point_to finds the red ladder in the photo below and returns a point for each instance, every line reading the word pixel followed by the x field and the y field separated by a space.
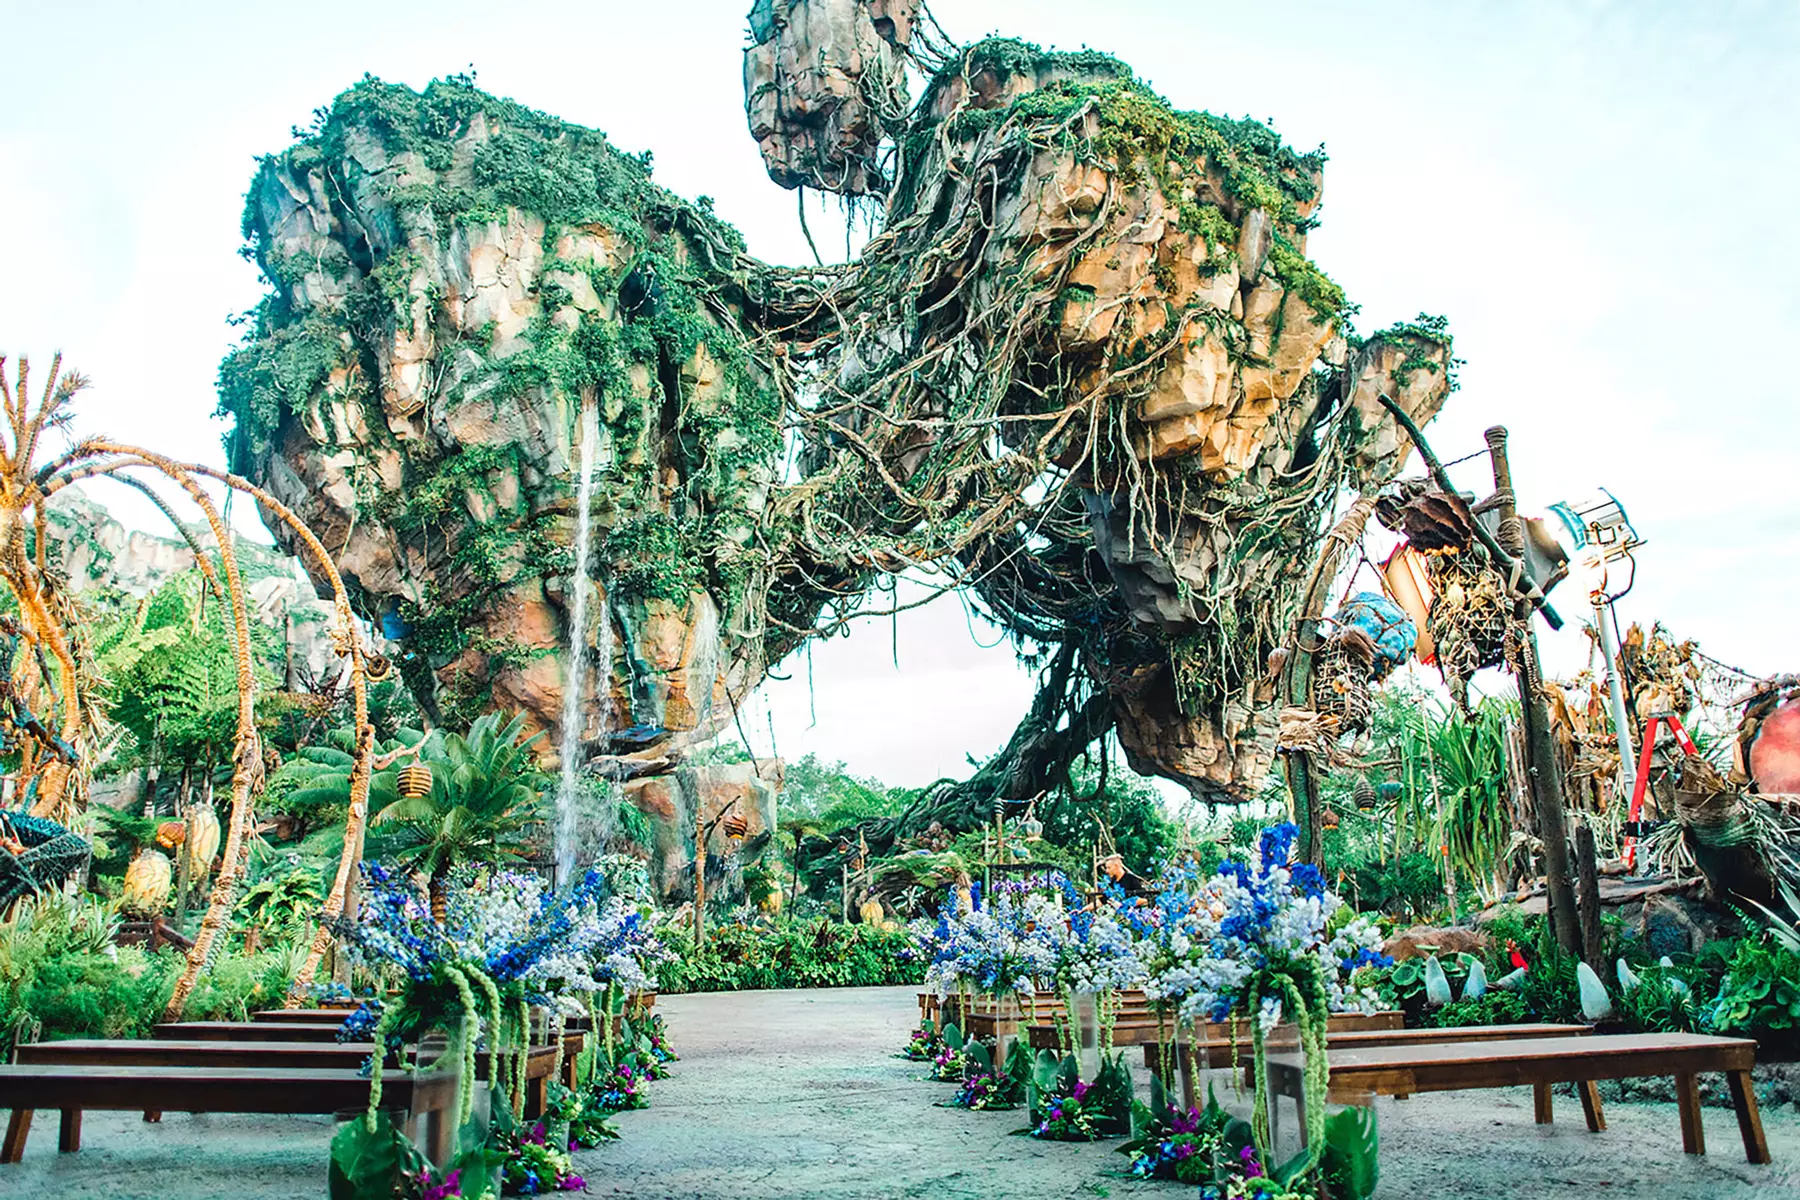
pixel 1633 817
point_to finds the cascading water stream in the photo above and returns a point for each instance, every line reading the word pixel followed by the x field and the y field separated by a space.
pixel 568 798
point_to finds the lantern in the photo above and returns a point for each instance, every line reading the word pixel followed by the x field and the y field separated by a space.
pixel 202 841
pixel 170 834
pixel 148 881
pixel 1364 794
pixel 736 827
pixel 1030 828
pixel 415 781
pixel 1329 819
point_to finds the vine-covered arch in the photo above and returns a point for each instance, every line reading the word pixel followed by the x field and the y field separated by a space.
pixel 1083 369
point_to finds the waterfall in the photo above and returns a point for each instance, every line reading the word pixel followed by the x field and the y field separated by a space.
pixel 568 790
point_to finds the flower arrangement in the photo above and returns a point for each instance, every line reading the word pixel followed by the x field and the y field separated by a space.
pixel 620 1089
pixel 1065 1116
pixel 655 1032
pixel 988 1085
pixel 1266 941
pixel 579 1123
pixel 1003 944
pixel 949 1064
pixel 1204 940
pixel 533 1166
pixel 989 1090
pixel 1066 1108
pixel 1210 1148
pixel 925 1044
pixel 506 942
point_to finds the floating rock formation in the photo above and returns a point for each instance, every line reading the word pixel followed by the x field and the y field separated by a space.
pixel 1085 369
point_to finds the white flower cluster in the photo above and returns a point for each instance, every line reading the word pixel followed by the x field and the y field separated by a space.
pixel 1097 955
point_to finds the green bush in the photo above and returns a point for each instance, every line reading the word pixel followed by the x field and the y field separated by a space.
pixel 1760 995
pixel 799 954
pixel 61 977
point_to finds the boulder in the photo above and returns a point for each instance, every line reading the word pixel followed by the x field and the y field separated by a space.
pixel 1420 940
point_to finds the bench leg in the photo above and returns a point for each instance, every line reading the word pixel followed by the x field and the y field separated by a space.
pixel 1743 1098
pixel 17 1130
pixel 68 1132
pixel 1687 1098
pixel 153 1116
pixel 1590 1106
pixel 440 1137
pixel 1540 1095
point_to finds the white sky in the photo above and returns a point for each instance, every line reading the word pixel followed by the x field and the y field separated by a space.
pixel 1594 193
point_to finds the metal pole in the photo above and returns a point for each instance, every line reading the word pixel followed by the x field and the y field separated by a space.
pixel 1615 694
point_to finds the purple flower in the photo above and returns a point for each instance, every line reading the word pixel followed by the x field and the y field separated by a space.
pixel 450 1188
pixel 573 1183
pixel 1252 1168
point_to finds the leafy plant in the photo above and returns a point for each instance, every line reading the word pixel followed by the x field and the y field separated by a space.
pixel 486 790
pixel 1351 1165
pixel 1760 996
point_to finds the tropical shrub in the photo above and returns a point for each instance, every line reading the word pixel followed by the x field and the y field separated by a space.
pixel 819 953
pixel 1760 995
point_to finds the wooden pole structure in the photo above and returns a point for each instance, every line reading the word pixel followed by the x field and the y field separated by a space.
pixel 1587 871
pixel 1303 773
pixel 1543 771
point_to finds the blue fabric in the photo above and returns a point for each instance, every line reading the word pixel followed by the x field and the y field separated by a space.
pixel 1385 622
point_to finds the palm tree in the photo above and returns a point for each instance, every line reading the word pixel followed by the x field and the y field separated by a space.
pixel 799 829
pixel 486 790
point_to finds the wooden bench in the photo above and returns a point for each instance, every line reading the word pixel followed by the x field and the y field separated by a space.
pixel 244 1031
pixel 75 1088
pixel 1362 1039
pixel 303 1016
pixel 1147 1031
pixel 1401 1070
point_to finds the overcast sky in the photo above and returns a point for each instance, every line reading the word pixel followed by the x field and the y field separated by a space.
pixel 1595 194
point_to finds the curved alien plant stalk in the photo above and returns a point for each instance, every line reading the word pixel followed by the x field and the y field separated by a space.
pixel 53 771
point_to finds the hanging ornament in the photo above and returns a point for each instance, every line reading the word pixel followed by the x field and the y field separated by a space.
pixel 414 781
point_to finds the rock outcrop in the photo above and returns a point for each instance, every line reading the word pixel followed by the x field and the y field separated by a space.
pixel 455 277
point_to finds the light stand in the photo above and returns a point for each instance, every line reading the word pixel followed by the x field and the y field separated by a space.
pixel 1603 534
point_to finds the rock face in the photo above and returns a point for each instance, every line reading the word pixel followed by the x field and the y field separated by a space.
pixel 824 82
pixel 100 557
pixel 676 802
pixel 1119 293
pixel 455 278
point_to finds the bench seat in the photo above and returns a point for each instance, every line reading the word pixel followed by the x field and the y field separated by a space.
pixel 1402 1070
pixel 75 1088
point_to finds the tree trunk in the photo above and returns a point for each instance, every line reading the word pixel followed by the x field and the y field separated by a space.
pixel 1587 896
pixel 440 902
